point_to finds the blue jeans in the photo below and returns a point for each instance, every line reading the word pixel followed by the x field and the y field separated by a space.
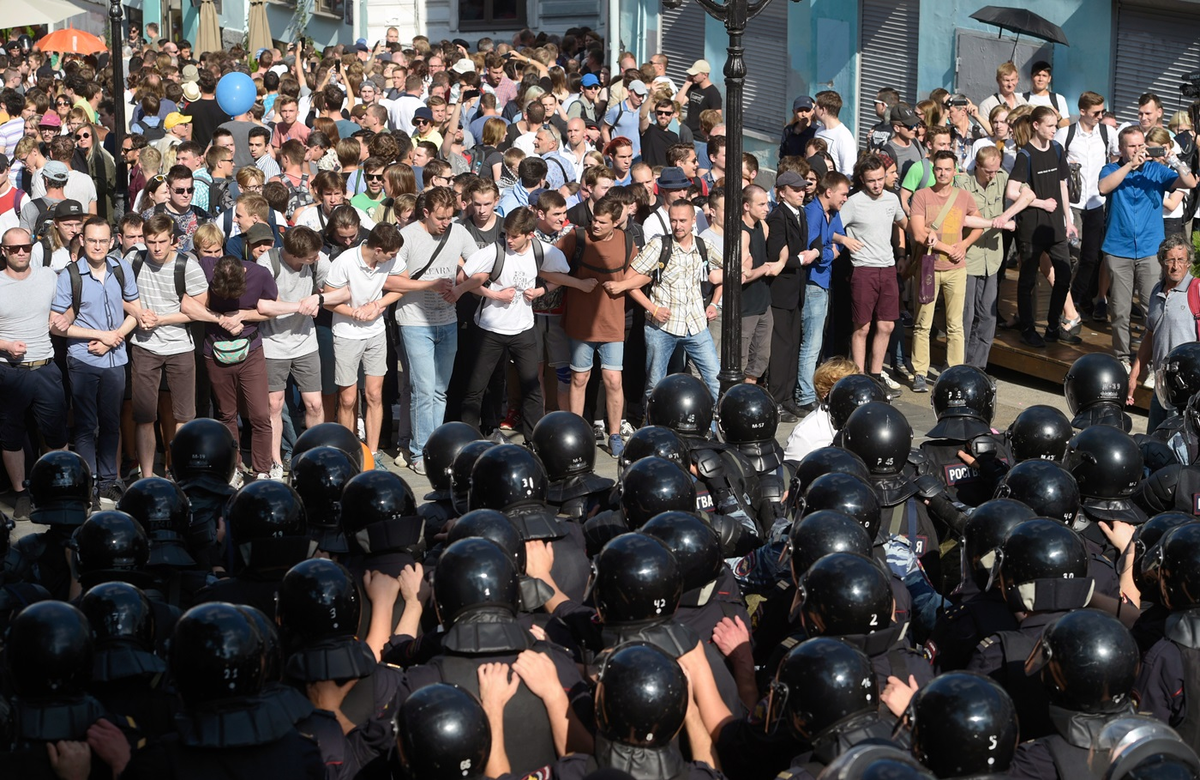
pixel 430 350
pixel 812 324
pixel 97 394
pixel 660 345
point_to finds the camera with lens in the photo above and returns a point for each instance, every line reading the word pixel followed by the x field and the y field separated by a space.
pixel 1191 86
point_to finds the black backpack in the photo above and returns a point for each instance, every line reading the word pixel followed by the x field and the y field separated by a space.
pixel 664 256
pixel 77 282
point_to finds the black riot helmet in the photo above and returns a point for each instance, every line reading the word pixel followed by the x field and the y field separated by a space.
pixel 119 613
pixel 441 448
pixel 1041 549
pixel 821 533
pixel 110 541
pixel 216 654
pixel 165 513
pixel 1045 487
pixel 265 509
pixel 1178 378
pixel 1145 541
pixel 654 485
pixel 330 434
pixel 747 414
pixel 268 632
pixel 828 460
pixel 460 471
pixel 506 476
pixel 641 696
pixel 682 403
pixel 873 760
pixel 566 445
pixel 1088 662
pixel 880 435
pixel 474 574
pixel 1105 461
pixel 203 450
pixel 984 534
pixel 1178 566
pixel 821 683
pixel 849 393
pixel 1141 747
pixel 964 391
pixel 443 734
pixel 963 724
pixel 373 498
pixel 49 652
pixel 1095 378
pixel 636 578
pixel 318 599
pixel 693 542
pixel 658 441
pixel 848 494
pixel 494 526
pixel 845 594
pixel 319 476
pixel 60 489
pixel 1040 433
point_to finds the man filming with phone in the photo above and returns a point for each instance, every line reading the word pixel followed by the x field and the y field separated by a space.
pixel 1135 186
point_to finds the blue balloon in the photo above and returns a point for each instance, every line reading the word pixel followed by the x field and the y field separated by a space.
pixel 236 93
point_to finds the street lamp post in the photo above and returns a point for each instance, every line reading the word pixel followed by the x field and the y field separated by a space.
pixel 116 59
pixel 733 14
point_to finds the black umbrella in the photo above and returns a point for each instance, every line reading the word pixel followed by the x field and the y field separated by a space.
pixel 1021 22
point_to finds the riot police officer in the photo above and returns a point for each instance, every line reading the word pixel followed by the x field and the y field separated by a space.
pixel 964 400
pixel 1043 574
pixel 319 476
pixel 1095 388
pixel 963 725
pixel 1141 747
pixel 1040 432
pixel 15 595
pixel 204 458
pixel 748 419
pixel 443 734
pixel 649 486
pixel 60 490
pixel 849 393
pixel 330 434
pixel 1087 662
pixel 1151 621
pixel 1107 466
pixel 460 473
pixel 441 448
pixel 876 760
pixel 566 445
pixel 269 534
pixel 1176 383
pixel 164 511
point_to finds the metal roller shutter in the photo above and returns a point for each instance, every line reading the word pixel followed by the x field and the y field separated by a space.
pixel 682 40
pixel 767 106
pixel 1154 49
pixel 888 58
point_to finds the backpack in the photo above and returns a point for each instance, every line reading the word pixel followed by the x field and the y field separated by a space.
pixel 1074 181
pixel 220 198
pixel 181 259
pixel 539 256
pixel 77 282
pixel 1075 178
pixel 298 195
pixel 664 257
pixel 273 256
pixel 43 218
pixel 479 153
pixel 581 244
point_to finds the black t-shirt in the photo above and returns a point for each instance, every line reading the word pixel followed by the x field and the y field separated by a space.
pixel 701 99
pixel 756 296
pixel 207 116
pixel 655 142
pixel 1042 171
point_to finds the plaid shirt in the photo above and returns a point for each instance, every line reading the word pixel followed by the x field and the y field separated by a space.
pixel 679 289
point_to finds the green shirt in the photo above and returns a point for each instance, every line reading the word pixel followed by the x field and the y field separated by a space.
pixel 985 255
pixel 364 202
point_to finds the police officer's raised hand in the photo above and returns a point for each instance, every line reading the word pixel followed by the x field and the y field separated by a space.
pixel 70 760
pixel 898 694
pixel 731 635
pixel 539 559
pixel 410 581
pixel 381 588
pixel 537 671
pixel 496 688
pixel 109 744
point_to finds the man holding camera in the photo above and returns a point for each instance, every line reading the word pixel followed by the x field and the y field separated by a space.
pixel 1135 185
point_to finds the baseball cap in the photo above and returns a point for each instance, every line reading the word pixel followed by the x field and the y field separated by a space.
pixel 638 88
pixel 791 179
pixel 259 233
pixel 818 165
pixel 424 112
pixel 190 73
pixel 902 114
pixel 589 80
pixel 361 42
pixel 804 102
pixel 68 209
pixel 361 45
pixel 699 66
pixel 463 66
pixel 50 119
pixel 673 178
pixel 56 171
pixel 175 118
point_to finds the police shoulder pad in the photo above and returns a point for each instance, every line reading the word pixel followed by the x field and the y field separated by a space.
pixel 987 642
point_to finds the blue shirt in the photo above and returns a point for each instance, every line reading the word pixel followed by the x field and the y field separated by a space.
pixel 512 199
pixel 625 120
pixel 100 308
pixel 820 235
pixel 1135 221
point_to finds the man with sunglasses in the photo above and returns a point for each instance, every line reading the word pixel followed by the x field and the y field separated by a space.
pixel 586 106
pixel 30 378
pixel 658 136
pixel 188 217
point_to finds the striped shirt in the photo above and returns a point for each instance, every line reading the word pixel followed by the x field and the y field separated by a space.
pixel 679 288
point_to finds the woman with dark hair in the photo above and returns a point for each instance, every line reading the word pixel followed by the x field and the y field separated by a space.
pixel 237 291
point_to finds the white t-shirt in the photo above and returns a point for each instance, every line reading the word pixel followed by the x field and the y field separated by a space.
pixel 658 223
pixel 870 221
pixel 59 260
pixel 1054 100
pixel 366 285
pixel 292 335
pixel 842 148
pixel 79 187
pixel 812 433
pixel 519 272
pixel 427 307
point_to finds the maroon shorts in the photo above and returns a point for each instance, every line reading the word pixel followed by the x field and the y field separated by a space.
pixel 875 296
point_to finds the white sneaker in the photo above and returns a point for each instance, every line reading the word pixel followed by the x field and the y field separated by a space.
pixel 1149 383
pixel 238 479
pixel 626 429
pixel 1128 367
pixel 888 382
pixel 276 472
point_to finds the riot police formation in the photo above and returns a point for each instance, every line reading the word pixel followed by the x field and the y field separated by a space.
pixel 965 603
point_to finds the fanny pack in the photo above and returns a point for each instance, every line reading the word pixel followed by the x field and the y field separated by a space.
pixel 231 352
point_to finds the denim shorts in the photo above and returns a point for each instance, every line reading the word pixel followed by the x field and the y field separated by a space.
pixel 612 355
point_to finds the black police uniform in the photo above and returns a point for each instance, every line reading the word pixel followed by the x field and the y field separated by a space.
pixel 43 559
pixel 962 626
pixel 747 751
pixel 1175 488
pixel 856 730
pixel 674 767
pixel 969 485
pixel 1168 677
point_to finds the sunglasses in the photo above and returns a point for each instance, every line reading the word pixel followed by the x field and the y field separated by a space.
pixel 664 113
pixel 420 121
pixel 183 190
pixel 18 249
pixel 61 103
pixel 82 136
pixel 375 176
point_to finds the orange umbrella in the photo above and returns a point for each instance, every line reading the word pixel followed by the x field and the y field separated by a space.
pixel 71 40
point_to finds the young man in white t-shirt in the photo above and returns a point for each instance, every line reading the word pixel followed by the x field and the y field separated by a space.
pixel 359 336
pixel 1039 74
pixel 842 146
pixel 505 315
pixel 435 247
